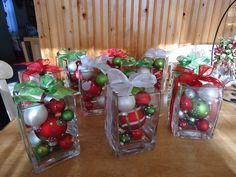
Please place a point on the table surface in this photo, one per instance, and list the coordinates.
(171, 157)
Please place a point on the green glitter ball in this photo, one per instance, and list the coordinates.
(200, 109)
(149, 110)
(101, 79)
(159, 63)
(41, 150)
(124, 138)
(67, 115)
(117, 61)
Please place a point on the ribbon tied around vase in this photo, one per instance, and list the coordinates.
(192, 79)
(123, 85)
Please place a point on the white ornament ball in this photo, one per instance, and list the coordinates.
(72, 66)
(144, 70)
(35, 115)
(190, 93)
(126, 103)
(33, 139)
(209, 93)
(181, 114)
(87, 74)
(101, 100)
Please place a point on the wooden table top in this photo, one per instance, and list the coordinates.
(171, 157)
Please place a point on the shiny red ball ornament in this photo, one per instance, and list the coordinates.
(66, 141)
(158, 85)
(142, 98)
(88, 105)
(91, 88)
(185, 104)
(183, 123)
(137, 134)
(203, 125)
(52, 128)
(56, 106)
(134, 120)
(158, 76)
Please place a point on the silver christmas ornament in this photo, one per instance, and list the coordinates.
(144, 70)
(101, 100)
(190, 93)
(126, 103)
(33, 139)
(72, 66)
(86, 74)
(181, 114)
(209, 93)
(35, 115)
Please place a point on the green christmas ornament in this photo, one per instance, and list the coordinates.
(124, 138)
(159, 63)
(200, 109)
(136, 90)
(117, 61)
(101, 79)
(41, 150)
(128, 72)
(67, 115)
(191, 121)
(149, 110)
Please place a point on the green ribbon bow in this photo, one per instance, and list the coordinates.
(70, 55)
(145, 62)
(193, 62)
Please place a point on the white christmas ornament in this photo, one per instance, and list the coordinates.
(209, 93)
(144, 70)
(126, 103)
(72, 66)
(101, 100)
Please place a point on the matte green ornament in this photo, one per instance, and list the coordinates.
(124, 138)
(128, 72)
(67, 115)
(149, 110)
(159, 63)
(136, 90)
(200, 109)
(41, 150)
(117, 61)
(101, 79)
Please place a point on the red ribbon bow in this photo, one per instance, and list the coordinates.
(115, 53)
(192, 79)
(37, 67)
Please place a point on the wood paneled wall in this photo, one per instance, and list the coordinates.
(133, 25)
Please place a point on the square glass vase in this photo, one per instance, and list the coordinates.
(131, 121)
(49, 131)
(196, 111)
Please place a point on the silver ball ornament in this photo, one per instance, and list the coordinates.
(33, 139)
(126, 103)
(101, 100)
(181, 114)
(35, 115)
(86, 74)
(72, 66)
(190, 93)
(209, 93)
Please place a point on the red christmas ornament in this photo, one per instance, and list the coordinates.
(88, 105)
(183, 123)
(134, 120)
(86, 98)
(137, 134)
(75, 76)
(203, 125)
(91, 88)
(185, 104)
(142, 98)
(66, 141)
(56, 106)
(158, 85)
(51, 128)
(158, 76)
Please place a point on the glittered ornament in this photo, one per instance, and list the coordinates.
(126, 103)
(136, 134)
(86, 74)
(101, 101)
(67, 115)
(185, 104)
(35, 115)
(66, 141)
(128, 72)
(203, 125)
(200, 109)
(88, 105)
(142, 98)
(136, 90)
(91, 88)
(133, 120)
(144, 70)
(101, 79)
(183, 123)
(149, 110)
(52, 128)
(159, 63)
(124, 138)
(42, 150)
(209, 92)
(190, 93)
(117, 61)
(56, 106)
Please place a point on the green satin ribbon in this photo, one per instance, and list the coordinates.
(130, 61)
(70, 55)
(193, 62)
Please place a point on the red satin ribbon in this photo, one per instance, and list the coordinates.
(40, 65)
(192, 79)
(115, 53)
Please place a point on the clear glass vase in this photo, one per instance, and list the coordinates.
(49, 131)
(195, 111)
(131, 121)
